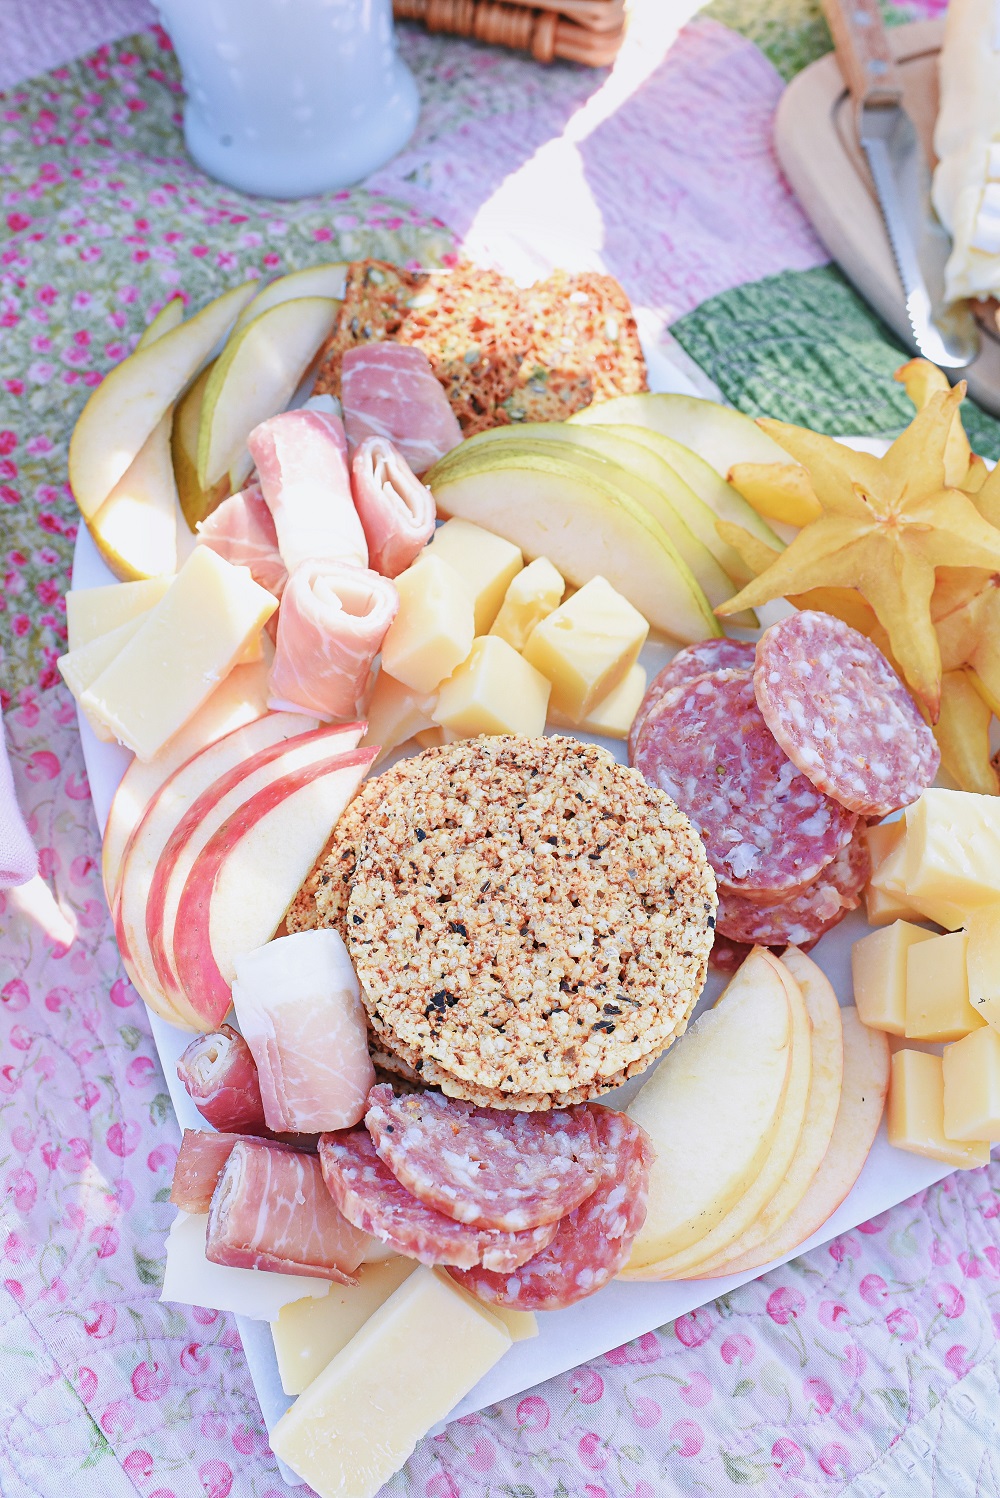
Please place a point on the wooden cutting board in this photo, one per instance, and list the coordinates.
(817, 145)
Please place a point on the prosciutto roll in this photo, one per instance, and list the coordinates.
(301, 459)
(332, 622)
(396, 509)
(271, 1210)
(220, 1077)
(390, 390)
(242, 531)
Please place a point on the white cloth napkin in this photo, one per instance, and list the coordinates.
(18, 859)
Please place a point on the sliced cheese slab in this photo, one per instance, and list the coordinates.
(91, 612)
(308, 1334)
(192, 1280)
(79, 668)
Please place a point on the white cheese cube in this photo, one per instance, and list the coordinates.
(493, 691)
(951, 860)
(531, 597)
(586, 646)
(612, 716)
(434, 628)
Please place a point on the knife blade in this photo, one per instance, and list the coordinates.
(947, 335)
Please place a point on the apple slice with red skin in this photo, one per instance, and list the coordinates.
(148, 837)
(246, 876)
(208, 812)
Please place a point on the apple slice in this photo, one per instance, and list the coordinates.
(238, 699)
(196, 503)
(719, 434)
(135, 395)
(254, 378)
(206, 814)
(247, 875)
(784, 1145)
(585, 525)
(821, 1113)
(149, 836)
(862, 1100)
(711, 1109)
(170, 316)
(316, 280)
(135, 529)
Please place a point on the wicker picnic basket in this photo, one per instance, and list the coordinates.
(586, 31)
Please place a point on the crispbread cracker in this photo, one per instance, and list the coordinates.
(531, 920)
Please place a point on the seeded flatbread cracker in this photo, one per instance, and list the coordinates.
(375, 305)
(532, 919)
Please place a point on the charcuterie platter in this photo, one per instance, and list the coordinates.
(457, 950)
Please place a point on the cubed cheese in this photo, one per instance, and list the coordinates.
(971, 1070)
(486, 563)
(434, 629)
(405, 1370)
(952, 859)
(915, 1119)
(878, 965)
(395, 713)
(182, 649)
(433, 738)
(531, 597)
(309, 1333)
(586, 647)
(494, 691)
(95, 611)
(983, 962)
(937, 990)
(612, 716)
(885, 896)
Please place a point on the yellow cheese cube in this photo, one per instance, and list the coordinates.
(937, 990)
(971, 1070)
(952, 859)
(308, 1334)
(983, 962)
(405, 1370)
(494, 691)
(885, 896)
(915, 1119)
(435, 627)
(531, 597)
(182, 649)
(878, 965)
(586, 646)
(95, 611)
(485, 563)
(433, 738)
(612, 716)
(395, 714)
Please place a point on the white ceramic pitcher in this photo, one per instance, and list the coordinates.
(291, 97)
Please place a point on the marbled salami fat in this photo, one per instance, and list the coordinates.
(482, 1166)
(593, 1243)
(842, 715)
(694, 660)
(765, 826)
(804, 917)
(366, 1192)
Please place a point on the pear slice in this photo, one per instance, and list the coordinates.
(255, 377)
(585, 524)
(135, 529)
(720, 434)
(170, 316)
(132, 397)
(196, 503)
(316, 280)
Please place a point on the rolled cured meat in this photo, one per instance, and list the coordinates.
(219, 1075)
(390, 390)
(331, 626)
(301, 459)
(271, 1210)
(299, 1006)
(396, 509)
(242, 531)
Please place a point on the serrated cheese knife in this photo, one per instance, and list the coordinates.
(948, 336)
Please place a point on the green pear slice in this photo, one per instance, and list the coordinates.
(586, 525)
(196, 503)
(720, 434)
(170, 316)
(132, 398)
(316, 280)
(135, 530)
(255, 377)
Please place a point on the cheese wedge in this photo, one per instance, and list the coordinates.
(91, 612)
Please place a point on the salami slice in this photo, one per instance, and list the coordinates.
(727, 956)
(842, 715)
(366, 1192)
(694, 660)
(805, 917)
(593, 1243)
(491, 1169)
(765, 826)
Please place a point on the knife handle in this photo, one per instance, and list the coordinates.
(863, 52)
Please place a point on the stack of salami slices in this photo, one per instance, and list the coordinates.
(528, 1210)
(779, 754)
